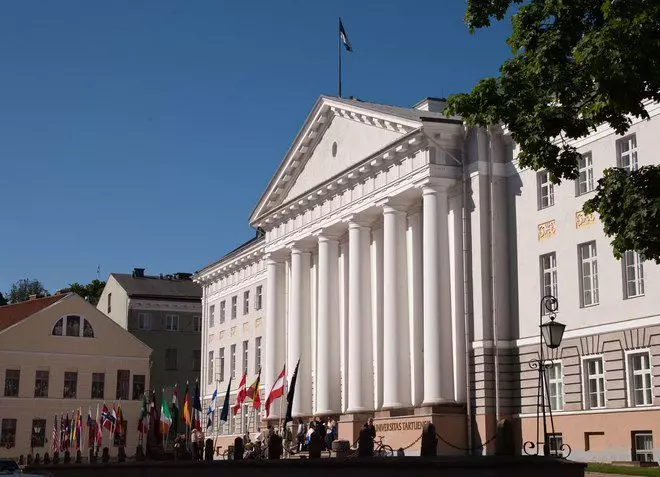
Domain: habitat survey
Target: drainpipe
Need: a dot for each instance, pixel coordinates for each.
(493, 262)
(466, 294)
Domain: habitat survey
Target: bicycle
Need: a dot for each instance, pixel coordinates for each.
(382, 450)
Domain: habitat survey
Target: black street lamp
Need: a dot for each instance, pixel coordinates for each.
(551, 332)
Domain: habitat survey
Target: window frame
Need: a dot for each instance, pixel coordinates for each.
(72, 378)
(557, 382)
(37, 380)
(632, 153)
(17, 385)
(196, 360)
(552, 272)
(232, 361)
(592, 261)
(221, 363)
(171, 352)
(136, 396)
(63, 323)
(223, 311)
(119, 394)
(257, 354)
(211, 316)
(586, 382)
(555, 441)
(258, 299)
(109, 303)
(633, 446)
(543, 181)
(196, 324)
(246, 302)
(146, 323)
(638, 280)
(234, 307)
(588, 170)
(631, 373)
(38, 440)
(211, 370)
(4, 427)
(169, 322)
(245, 359)
(91, 391)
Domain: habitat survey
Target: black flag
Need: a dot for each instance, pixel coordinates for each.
(289, 395)
(343, 37)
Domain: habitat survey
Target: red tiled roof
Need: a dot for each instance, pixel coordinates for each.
(12, 314)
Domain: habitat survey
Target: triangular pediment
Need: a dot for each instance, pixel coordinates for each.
(337, 135)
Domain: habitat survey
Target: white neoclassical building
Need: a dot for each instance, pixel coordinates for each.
(400, 257)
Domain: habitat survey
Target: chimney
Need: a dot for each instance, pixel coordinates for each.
(138, 273)
(432, 105)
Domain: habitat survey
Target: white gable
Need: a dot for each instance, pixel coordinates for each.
(354, 142)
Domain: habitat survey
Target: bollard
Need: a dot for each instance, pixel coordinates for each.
(67, 457)
(105, 457)
(429, 441)
(78, 457)
(46, 458)
(400, 452)
(139, 453)
(275, 447)
(121, 454)
(365, 443)
(37, 459)
(315, 445)
(29, 459)
(56, 457)
(239, 448)
(208, 450)
(504, 440)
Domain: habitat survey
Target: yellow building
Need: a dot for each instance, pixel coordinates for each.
(59, 354)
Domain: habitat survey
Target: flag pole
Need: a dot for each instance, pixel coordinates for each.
(339, 53)
(286, 381)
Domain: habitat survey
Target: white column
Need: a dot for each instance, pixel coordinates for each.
(415, 308)
(275, 325)
(343, 322)
(360, 376)
(396, 347)
(377, 314)
(299, 332)
(457, 308)
(438, 356)
(327, 379)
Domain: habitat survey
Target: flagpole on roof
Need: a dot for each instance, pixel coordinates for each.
(339, 52)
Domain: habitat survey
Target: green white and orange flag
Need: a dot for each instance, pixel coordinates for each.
(165, 416)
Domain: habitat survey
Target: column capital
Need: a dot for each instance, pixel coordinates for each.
(433, 185)
(299, 248)
(324, 235)
(276, 256)
(356, 221)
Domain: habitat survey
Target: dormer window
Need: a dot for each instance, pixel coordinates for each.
(70, 326)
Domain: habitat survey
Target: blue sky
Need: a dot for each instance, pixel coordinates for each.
(141, 133)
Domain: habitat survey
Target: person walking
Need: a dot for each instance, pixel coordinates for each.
(300, 435)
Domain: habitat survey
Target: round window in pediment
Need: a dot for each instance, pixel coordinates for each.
(334, 149)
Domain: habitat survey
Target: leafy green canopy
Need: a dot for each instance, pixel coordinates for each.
(576, 64)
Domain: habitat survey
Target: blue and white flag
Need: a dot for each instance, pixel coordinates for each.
(211, 412)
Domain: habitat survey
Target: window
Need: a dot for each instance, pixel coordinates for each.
(627, 153)
(197, 324)
(109, 303)
(223, 310)
(70, 385)
(139, 386)
(8, 434)
(245, 356)
(555, 386)
(640, 379)
(549, 274)
(88, 331)
(12, 381)
(546, 190)
(171, 359)
(172, 322)
(38, 430)
(594, 383)
(555, 441)
(633, 274)
(257, 301)
(98, 385)
(144, 321)
(585, 182)
(196, 359)
(41, 384)
(123, 380)
(222, 364)
(588, 273)
(209, 380)
(211, 316)
(234, 301)
(232, 362)
(642, 445)
(257, 355)
(246, 302)
(70, 326)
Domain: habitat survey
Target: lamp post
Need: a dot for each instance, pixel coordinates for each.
(550, 333)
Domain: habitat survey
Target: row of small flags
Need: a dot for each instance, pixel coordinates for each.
(276, 391)
(68, 432)
(166, 421)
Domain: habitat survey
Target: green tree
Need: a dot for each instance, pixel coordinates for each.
(3, 300)
(577, 64)
(22, 289)
(90, 292)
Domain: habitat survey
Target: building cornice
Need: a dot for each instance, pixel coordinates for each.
(231, 263)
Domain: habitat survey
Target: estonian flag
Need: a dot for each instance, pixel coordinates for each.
(290, 394)
(210, 413)
(344, 37)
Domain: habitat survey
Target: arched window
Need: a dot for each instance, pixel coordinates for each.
(88, 331)
(57, 329)
(70, 325)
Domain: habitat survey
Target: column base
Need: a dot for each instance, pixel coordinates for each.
(358, 410)
(327, 413)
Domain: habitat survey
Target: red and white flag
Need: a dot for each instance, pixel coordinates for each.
(277, 390)
(242, 393)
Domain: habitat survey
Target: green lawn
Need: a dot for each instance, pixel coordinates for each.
(614, 469)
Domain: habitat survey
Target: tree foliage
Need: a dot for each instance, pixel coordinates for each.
(3, 300)
(22, 289)
(90, 292)
(575, 65)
